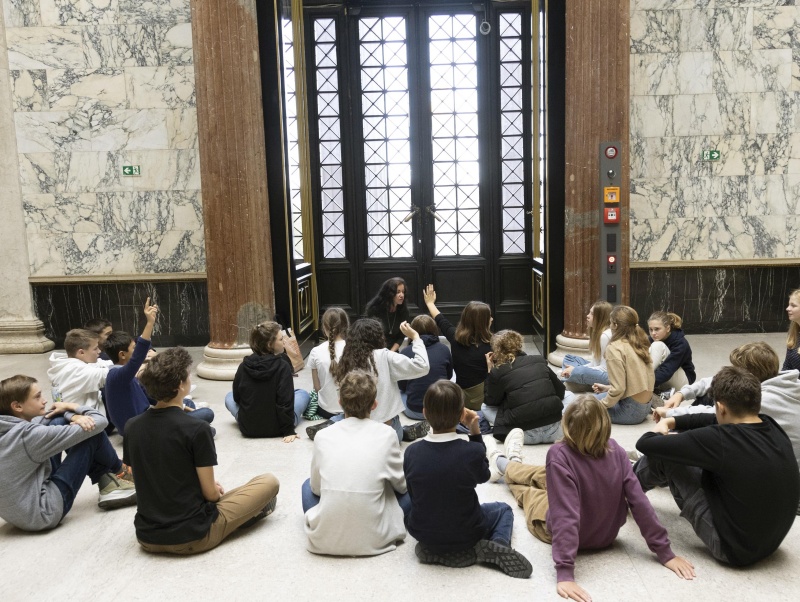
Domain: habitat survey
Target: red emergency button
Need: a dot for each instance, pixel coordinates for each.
(612, 264)
(611, 152)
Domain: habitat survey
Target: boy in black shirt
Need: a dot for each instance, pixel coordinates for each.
(181, 508)
(442, 470)
(733, 475)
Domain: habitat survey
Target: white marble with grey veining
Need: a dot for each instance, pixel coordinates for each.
(29, 90)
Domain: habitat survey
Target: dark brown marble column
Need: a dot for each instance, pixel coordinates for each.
(598, 97)
(234, 178)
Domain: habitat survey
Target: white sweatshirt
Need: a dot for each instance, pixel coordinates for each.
(393, 366)
(77, 381)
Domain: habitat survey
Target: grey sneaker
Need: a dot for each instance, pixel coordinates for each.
(454, 560)
(115, 493)
(412, 432)
(312, 430)
(268, 509)
(514, 442)
(634, 456)
(507, 559)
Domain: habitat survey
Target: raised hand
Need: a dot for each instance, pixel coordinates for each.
(406, 329)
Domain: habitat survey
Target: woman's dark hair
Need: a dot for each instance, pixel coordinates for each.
(364, 337)
(385, 296)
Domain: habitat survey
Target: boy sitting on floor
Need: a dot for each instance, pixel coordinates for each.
(37, 489)
(124, 395)
(356, 497)
(733, 475)
(453, 528)
(181, 508)
(79, 376)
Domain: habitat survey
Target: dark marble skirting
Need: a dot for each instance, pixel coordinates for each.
(182, 320)
(717, 300)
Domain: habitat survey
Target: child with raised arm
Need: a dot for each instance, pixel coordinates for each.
(733, 475)
(453, 528)
(182, 509)
(37, 487)
(263, 401)
(124, 395)
(580, 499)
(356, 498)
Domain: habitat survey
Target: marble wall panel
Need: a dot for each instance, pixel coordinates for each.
(729, 81)
(96, 85)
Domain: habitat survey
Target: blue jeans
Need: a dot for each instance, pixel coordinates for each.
(627, 410)
(301, 399)
(549, 433)
(408, 412)
(92, 457)
(310, 499)
(204, 414)
(582, 372)
(498, 522)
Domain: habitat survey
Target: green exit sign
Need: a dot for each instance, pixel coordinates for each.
(711, 155)
(131, 170)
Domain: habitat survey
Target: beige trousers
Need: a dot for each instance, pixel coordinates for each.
(529, 487)
(235, 508)
(473, 397)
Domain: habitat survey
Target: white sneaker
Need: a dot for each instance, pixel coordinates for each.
(492, 453)
(514, 442)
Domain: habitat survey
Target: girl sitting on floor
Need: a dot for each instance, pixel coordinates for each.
(322, 360)
(580, 372)
(670, 351)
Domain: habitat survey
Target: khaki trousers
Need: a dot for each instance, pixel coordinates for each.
(473, 397)
(235, 508)
(529, 487)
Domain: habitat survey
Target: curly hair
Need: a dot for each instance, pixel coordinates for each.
(506, 345)
(334, 325)
(364, 337)
(164, 373)
(385, 296)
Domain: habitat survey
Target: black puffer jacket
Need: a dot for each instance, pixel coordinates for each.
(527, 395)
(264, 390)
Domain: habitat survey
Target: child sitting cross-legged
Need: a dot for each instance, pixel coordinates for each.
(181, 508)
(356, 497)
(580, 499)
(453, 528)
(37, 488)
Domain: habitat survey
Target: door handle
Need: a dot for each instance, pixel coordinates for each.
(410, 216)
(432, 211)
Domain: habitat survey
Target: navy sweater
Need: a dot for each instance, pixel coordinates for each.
(441, 368)
(680, 356)
(792, 361)
(124, 395)
(446, 515)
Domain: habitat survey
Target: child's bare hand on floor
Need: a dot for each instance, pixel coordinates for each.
(289, 438)
(573, 591)
(681, 567)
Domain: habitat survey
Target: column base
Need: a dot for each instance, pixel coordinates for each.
(221, 364)
(567, 345)
(23, 336)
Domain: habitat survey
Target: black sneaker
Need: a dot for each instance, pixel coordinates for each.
(412, 432)
(454, 560)
(508, 560)
(312, 430)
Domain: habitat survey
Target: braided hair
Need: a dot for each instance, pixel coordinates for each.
(334, 325)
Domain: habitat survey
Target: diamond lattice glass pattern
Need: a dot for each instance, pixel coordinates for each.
(511, 120)
(386, 125)
(330, 139)
(291, 134)
(454, 106)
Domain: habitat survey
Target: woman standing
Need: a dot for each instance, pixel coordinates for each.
(389, 307)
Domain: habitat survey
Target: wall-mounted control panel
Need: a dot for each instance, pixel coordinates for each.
(609, 197)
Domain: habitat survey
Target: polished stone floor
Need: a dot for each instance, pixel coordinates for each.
(94, 554)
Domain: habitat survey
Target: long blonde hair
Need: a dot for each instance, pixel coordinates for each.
(506, 344)
(794, 327)
(601, 319)
(626, 327)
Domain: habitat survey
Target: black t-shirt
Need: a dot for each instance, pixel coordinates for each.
(164, 447)
(469, 362)
(749, 477)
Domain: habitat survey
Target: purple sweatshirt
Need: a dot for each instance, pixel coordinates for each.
(589, 500)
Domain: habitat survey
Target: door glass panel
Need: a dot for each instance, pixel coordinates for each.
(454, 107)
(387, 131)
(541, 143)
(291, 135)
(511, 131)
(330, 139)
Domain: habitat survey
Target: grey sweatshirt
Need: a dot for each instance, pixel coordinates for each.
(28, 499)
